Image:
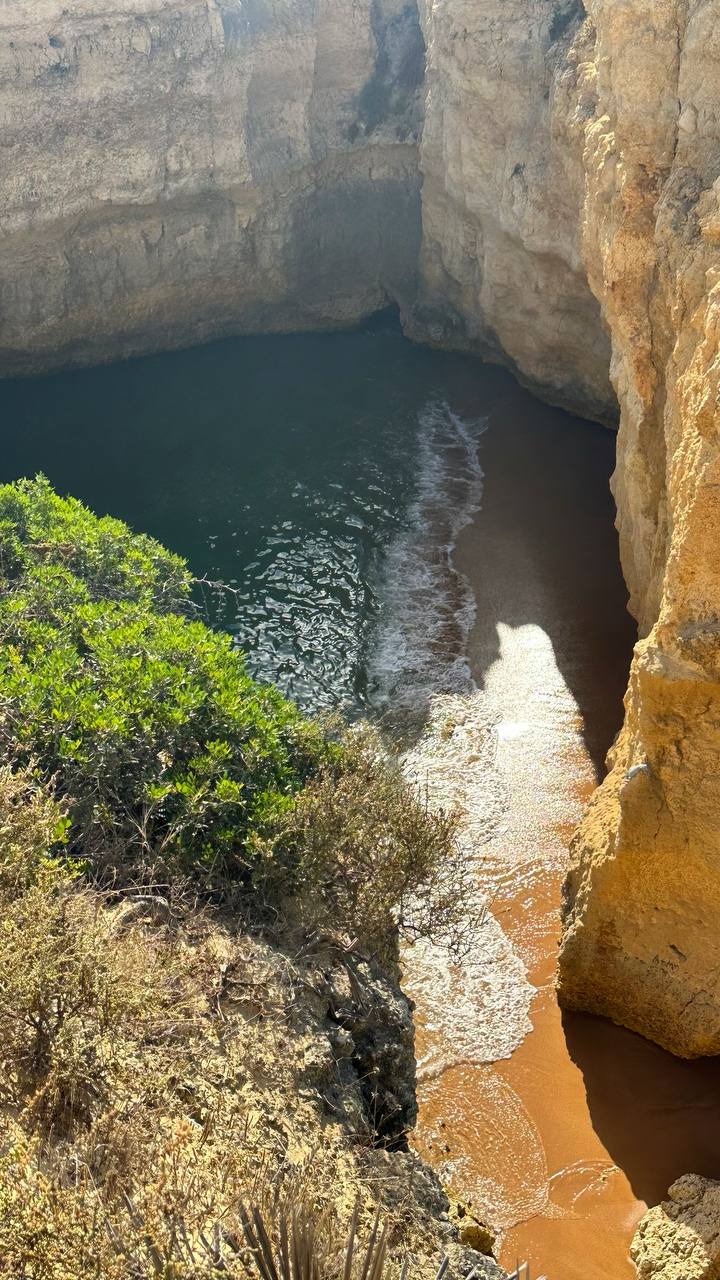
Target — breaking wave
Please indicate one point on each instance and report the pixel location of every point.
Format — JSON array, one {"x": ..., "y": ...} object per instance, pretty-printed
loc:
[
  {"x": 423, "y": 688},
  {"x": 427, "y": 608}
]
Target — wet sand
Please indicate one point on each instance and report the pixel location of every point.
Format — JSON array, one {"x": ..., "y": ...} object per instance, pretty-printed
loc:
[{"x": 563, "y": 1140}]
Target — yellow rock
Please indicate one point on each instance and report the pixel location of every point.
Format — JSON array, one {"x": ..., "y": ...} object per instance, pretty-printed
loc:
[
  {"x": 642, "y": 899},
  {"x": 680, "y": 1239},
  {"x": 471, "y": 1231}
]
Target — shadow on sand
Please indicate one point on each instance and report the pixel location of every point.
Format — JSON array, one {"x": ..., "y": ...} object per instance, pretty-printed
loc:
[
  {"x": 545, "y": 552},
  {"x": 548, "y": 554},
  {"x": 658, "y": 1116}
]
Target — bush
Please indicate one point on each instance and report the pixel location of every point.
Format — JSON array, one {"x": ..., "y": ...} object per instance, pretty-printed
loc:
[
  {"x": 360, "y": 853},
  {"x": 153, "y": 1079},
  {"x": 78, "y": 994},
  {"x": 162, "y": 745},
  {"x": 155, "y": 1072},
  {"x": 100, "y": 557},
  {"x": 167, "y": 757},
  {"x": 75, "y": 981}
]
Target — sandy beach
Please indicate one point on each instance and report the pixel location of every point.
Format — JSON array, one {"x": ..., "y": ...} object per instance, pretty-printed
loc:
[{"x": 563, "y": 1140}]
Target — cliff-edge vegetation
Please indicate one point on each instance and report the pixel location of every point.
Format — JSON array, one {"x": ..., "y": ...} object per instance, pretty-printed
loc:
[{"x": 201, "y": 895}]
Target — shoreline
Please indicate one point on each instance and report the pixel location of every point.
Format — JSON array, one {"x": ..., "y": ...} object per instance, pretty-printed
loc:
[{"x": 561, "y": 1141}]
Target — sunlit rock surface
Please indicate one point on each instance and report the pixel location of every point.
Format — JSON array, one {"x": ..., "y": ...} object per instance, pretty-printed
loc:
[
  {"x": 643, "y": 898},
  {"x": 501, "y": 270},
  {"x": 680, "y": 1239}
]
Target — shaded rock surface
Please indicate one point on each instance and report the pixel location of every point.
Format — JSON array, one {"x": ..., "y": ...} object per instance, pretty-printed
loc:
[
  {"x": 337, "y": 1049},
  {"x": 179, "y": 169},
  {"x": 680, "y": 1239},
  {"x": 501, "y": 269}
]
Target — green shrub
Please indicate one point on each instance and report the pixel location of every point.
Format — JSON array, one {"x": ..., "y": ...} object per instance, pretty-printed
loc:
[
  {"x": 161, "y": 745},
  {"x": 168, "y": 758},
  {"x": 155, "y": 1062},
  {"x": 97, "y": 556},
  {"x": 361, "y": 854}
]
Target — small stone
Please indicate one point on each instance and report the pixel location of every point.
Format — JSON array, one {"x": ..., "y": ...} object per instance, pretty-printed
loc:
[
  {"x": 476, "y": 1236},
  {"x": 472, "y": 1233}
]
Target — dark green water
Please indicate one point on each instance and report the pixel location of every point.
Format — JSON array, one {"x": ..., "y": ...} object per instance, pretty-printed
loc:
[
  {"x": 326, "y": 479},
  {"x": 283, "y": 466}
]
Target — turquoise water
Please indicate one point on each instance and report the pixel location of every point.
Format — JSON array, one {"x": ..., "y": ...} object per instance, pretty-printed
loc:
[{"x": 285, "y": 467}]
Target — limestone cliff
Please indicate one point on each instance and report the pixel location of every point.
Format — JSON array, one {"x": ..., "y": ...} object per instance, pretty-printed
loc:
[
  {"x": 643, "y": 899},
  {"x": 180, "y": 169},
  {"x": 501, "y": 270},
  {"x": 177, "y": 169}
]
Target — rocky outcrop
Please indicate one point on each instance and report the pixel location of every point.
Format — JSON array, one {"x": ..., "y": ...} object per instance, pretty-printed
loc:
[
  {"x": 501, "y": 270},
  {"x": 178, "y": 169},
  {"x": 570, "y": 160},
  {"x": 680, "y": 1239},
  {"x": 643, "y": 897}
]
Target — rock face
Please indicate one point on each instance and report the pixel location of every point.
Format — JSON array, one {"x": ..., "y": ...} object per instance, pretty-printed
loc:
[
  {"x": 501, "y": 269},
  {"x": 177, "y": 169},
  {"x": 641, "y": 942},
  {"x": 680, "y": 1239}
]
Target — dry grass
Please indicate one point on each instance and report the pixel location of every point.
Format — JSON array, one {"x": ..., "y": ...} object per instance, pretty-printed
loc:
[
  {"x": 155, "y": 1077},
  {"x": 288, "y": 1248}
]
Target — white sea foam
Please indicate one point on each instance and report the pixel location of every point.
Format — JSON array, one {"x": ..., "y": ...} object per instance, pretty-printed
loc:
[
  {"x": 428, "y": 608},
  {"x": 421, "y": 677}
]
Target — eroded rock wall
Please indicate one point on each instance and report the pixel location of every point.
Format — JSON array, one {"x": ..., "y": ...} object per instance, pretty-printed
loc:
[
  {"x": 571, "y": 162},
  {"x": 501, "y": 270},
  {"x": 177, "y": 169},
  {"x": 180, "y": 169},
  {"x": 642, "y": 943}
]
